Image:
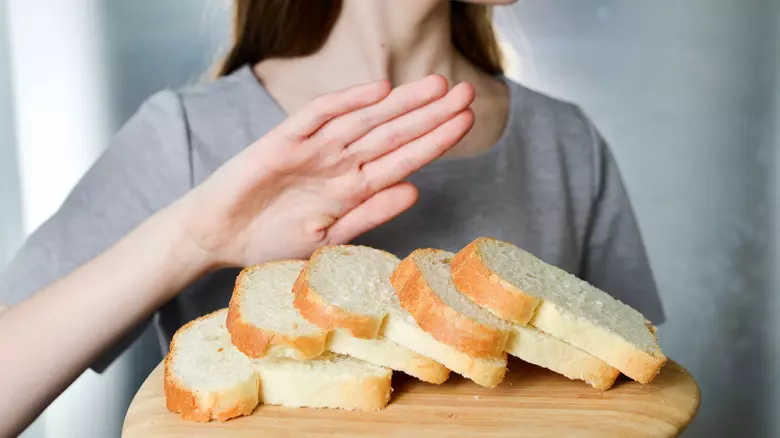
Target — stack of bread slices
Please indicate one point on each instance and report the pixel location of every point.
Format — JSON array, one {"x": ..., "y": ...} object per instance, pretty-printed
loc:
[{"x": 328, "y": 332}]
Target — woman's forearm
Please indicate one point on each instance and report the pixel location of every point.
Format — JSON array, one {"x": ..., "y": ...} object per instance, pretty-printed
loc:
[{"x": 50, "y": 339}]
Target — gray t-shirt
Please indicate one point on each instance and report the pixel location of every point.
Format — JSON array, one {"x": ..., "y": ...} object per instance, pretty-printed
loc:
[{"x": 549, "y": 185}]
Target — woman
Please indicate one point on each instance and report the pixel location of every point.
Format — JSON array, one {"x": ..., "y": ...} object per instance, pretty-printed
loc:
[{"x": 214, "y": 177}]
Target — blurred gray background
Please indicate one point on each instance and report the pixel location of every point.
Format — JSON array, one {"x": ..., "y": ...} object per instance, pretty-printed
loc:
[{"x": 686, "y": 92}]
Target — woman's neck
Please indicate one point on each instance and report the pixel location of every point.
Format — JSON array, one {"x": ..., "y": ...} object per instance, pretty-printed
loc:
[
  {"x": 402, "y": 41},
  {"x": 377, "y": 39}
]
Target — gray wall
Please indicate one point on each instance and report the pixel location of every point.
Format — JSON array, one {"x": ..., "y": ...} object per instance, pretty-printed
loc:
[
  {"x": 684, "y": 91},
  {"x": 10, "y": 205},
  {"x": 774, "y": 309},
  {"x": 154, "y": 45}
]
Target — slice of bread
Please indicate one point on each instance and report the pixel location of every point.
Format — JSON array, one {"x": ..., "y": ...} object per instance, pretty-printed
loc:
[
  {"x": 400, "y": 327},
  {"x": 262, "y": 320},
  {"x": 329, "y": 381},
  {"x": 425, "y": 288},
  {"x": 508, "y": 281},
  {"x": 345, "y": 287},
  {"x": 539, "y": 348},
  {"x": 206, "y": 378},
  {"x": 384, "y": 352},
  {"x": 489, "y": 289}
]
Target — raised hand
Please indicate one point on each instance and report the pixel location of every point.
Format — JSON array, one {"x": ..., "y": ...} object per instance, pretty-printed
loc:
[{"x": 328, "y": 173}]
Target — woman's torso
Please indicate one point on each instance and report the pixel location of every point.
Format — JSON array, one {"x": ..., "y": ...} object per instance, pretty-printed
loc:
[
  {"x": 548, "y": 185},
  {"x": 520, "y": 190}
]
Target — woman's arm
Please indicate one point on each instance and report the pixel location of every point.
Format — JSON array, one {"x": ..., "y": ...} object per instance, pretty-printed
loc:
[
  {"x": 323, "y": 176},
  {"x": 145, "y": 168},
  {"x": 51, "y": 338}
]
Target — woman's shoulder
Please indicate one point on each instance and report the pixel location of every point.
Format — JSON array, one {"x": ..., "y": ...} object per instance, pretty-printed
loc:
[
  {"x": 193, "y": 101},
  {"x": 543, "y": 111},
  {"x": 224, "y": 97},
  {"x": 556, "y": 131},
  {"x": 223, "y": 114},
  {"x": 551, "y": 125},
  {"x": 222, "y": 91}
]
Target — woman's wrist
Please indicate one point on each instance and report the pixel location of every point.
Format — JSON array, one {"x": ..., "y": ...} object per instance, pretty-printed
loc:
[
  {"x": 171, "y": 247},
  {"x": 184, "y": 243}
]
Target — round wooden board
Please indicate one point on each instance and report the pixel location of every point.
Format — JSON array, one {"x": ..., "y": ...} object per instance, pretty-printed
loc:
[{"x": 531, "y": 401}]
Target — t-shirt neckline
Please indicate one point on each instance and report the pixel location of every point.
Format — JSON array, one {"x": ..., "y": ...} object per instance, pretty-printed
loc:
[{"x": 257, "y": 86}]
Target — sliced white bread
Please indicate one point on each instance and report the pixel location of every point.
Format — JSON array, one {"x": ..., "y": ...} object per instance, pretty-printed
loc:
[
  {"x": 539, "y": 348},
  {"x": 425, "y": 289},
  {"x": 329, "y": 381},
  {"x": 206, "y": 378},
  {"x": 400, "y": 327},
  {"x": 525, "y": 343},
  {"x": 384, "y": 352},
  {"x": 511, "y": 282},
  {"x": 262, "y": 320},
  {"x": 345, "y": 286}
]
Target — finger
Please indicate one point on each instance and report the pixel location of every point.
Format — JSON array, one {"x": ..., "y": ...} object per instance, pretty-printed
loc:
[
  {"x": 409, "y": 158},
  {"x": 329, "y": 106},
  {"x": 374, "y": 211},
  {"x": 412, "y": 125},
  {"x": 350, "y": 127}
]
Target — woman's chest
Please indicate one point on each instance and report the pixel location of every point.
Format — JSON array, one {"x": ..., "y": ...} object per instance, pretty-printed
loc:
[{"x": 460, "y": 201}]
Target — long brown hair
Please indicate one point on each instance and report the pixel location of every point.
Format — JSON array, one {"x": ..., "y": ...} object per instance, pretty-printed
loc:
[{"x": 265, "y": 29}]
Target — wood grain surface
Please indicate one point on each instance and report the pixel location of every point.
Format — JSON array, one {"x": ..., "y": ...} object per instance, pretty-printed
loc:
[{"x": 530, "y": 402}]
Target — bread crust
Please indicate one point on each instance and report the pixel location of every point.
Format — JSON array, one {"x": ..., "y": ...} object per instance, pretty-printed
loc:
[
  {"x": 375, "y": 394},
  {"x": 475, "y": 280},
  {"x": 427, "y": 370},
  {"x": 181, "y": 400},
  {"x": 637, "y": 364},
  {"x": 600, "y": 376},
  {"x": 326, "y": 316},
  {"x": 480, "y": 371},
  {"x": 257, "y": 342},
  {"x": 441, "y": 321}
]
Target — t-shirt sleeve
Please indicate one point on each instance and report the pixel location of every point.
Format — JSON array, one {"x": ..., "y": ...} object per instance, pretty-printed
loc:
[
  {"x": 145, "y": 168},
  {"x": 615, "y": 259}
]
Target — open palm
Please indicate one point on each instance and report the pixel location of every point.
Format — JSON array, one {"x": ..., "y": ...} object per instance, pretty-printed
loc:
[{"x": 328, "y": 173}]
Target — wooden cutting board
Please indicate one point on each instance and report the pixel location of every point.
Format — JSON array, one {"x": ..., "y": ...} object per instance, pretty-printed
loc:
[{"x": 530, "y": 402}]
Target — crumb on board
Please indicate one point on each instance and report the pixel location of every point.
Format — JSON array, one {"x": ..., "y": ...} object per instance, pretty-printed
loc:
[
  {"x": 476, "y": 397},
  {"x": 220, "y": 350},
  {"x": 453, "y": 416}
]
